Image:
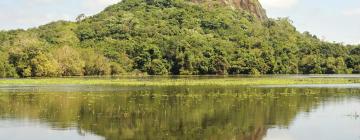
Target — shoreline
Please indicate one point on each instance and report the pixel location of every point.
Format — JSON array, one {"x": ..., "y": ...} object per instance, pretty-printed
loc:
[{"x": 191, "y": 81}]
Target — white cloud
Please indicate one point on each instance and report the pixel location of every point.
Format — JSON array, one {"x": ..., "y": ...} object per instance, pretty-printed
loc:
[
  {"x": 99, "y": 3},
  {"x": 107, "y": 2},
  {"x": 283, "y": 4},
  {"x": 352, "y": 12},
  {"x": 32, "y": 13},
  {"x": 42, "y": 1}
]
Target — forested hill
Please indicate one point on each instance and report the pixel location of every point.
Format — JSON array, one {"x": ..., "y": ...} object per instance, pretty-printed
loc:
[
  {"x": 252, "y": 6},
  {"x": 178, "y": 37}
]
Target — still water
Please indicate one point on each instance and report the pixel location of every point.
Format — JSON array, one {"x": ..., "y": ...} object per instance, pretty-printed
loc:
[{"x": 73, "y": 112}]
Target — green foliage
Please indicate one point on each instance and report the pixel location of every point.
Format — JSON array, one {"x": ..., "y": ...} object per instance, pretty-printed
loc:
[
  {"x": 95, "y": 63},
  {"x": 3, "y": 37},
  {"x": 6, "y": 70},
  {"x": 33, "y": 61},
  {"x": 174, "y": 37},
  {"x": 44, "y": 65},
  {"x": 116, "y": 69},
  {"x": 156, "y": 67},
  {"x": 70, "y": 61},
  {"x": 59, "y": 33},
  {"x": 353, "y": 60},
  {"x": 254, "y": 72}
]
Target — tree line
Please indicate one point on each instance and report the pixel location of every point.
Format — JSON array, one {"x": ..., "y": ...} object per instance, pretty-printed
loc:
[{"x": 171, "y": 37}]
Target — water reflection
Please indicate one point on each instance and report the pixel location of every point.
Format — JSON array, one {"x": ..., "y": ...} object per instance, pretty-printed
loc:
[
  {"x": 181, "y": 112},
  {"x": 328, "y": 122},
  {"x": 30, "y": 129}
]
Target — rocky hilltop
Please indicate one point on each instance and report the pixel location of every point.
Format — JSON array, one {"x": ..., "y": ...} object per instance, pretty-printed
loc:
[{"x": 252, "y": 6}]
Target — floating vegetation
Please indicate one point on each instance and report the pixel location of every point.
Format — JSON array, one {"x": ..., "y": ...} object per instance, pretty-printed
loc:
[{"x": 166, "y": 81}]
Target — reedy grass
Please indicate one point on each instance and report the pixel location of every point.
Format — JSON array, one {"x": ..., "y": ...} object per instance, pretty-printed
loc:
[{"x": 145, "y": 81}]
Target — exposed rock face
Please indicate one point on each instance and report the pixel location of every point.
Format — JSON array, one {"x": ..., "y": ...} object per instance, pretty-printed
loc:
[{"x": 252, "y": 6}]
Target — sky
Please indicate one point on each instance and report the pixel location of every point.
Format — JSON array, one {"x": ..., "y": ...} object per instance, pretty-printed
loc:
[{"x": 331, "y": 20}]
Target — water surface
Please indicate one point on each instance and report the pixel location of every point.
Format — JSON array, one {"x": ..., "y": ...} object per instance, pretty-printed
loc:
[{"x": 75, "y": 112}]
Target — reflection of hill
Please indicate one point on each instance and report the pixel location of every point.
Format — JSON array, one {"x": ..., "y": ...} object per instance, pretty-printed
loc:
[{"x": 169, "y": 113}]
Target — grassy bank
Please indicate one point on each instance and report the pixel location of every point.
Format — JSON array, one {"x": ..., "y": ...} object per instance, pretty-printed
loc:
[{"x": 146, "y": 81}]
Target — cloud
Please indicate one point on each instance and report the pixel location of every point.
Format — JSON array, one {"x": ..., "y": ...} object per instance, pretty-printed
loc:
[
  {"x": 43, "y": 1},
  {"x": 99, "y": 3},
  {"x": 352, "y": 12},
  {"x": 106, "y": 2},
  {"x": 281, "y": 4}
]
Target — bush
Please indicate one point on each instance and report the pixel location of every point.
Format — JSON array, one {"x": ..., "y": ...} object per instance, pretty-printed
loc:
[
  {"x": 6, "y": 70},
  {"x": 33, "y": 61},
  {"x": 70, "y": 61},
  {"x": 95, "y": 63},
  {"x": 44, "y": 65},
  {"x": 156, "y": 67},
  {"x": 116, "y": 69}
]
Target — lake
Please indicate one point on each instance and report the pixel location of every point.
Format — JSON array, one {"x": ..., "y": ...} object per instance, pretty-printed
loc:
[{"x": 110, "y": 112}]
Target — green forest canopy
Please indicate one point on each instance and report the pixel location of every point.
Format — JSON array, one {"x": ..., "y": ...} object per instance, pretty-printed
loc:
[{"x": 177, "y": 37}]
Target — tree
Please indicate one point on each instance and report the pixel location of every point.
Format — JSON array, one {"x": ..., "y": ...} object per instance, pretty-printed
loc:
[
  {"x": 156, "y": 67},
  {"x": 33, "y": 61},
  {"x": 144, "y": 59},
  {"x": 6, "y": 70},
  {"x": 70, "y": 61},
  {"x": 219, "y": 65},
  {"x": 60, "y": 33},
  {"x": 116, "y": 69},
  {"x": 311, "y": 64},
  {"x": 353, "y": 60},
  {"x": 44, "y": 65},
  {"x": 95, "y": 63},
  {"x": 80, "y": 17}
]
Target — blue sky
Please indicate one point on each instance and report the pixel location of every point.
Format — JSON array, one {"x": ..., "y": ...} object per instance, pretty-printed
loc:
[{"x": 332, "y": 20}]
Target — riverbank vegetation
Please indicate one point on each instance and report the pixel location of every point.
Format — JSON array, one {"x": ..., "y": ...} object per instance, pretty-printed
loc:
[
  {"x": 165, "y": 81},
  {"x": 166, "y": 37}
]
